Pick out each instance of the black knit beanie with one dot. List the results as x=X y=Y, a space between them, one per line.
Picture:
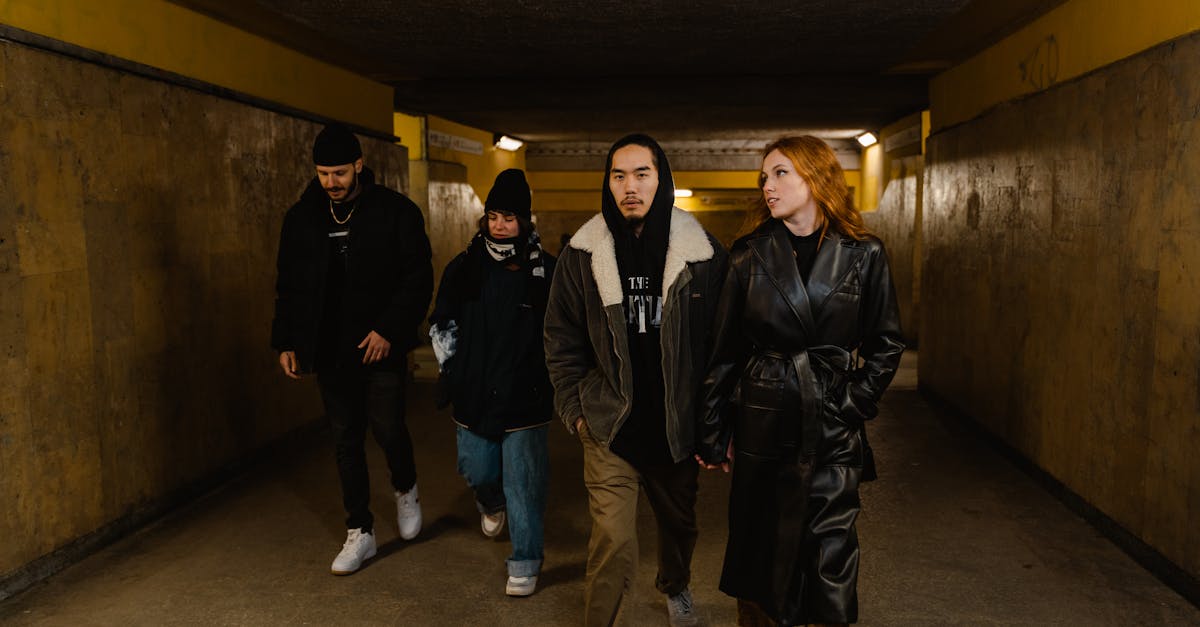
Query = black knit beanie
x=336 y=145
x=510 y=194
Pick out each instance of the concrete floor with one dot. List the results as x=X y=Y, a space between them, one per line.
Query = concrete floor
x=952 y=534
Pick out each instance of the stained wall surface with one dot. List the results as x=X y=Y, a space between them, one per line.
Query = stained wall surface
x=139 y=224
x=897 y=222
x=1060 y=288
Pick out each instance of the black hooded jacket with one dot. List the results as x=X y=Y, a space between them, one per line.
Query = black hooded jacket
x=641 y=259
x=388 y=279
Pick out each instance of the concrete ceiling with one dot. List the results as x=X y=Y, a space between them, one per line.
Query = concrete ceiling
x=584 y=70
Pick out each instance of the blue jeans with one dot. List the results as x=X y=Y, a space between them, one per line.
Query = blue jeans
x=514 y=475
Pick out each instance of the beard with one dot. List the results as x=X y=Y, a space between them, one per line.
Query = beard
x=350 y=191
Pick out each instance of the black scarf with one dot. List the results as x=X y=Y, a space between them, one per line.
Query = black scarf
x=656 y=228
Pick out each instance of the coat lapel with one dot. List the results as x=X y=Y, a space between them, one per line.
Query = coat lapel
x=778 y=262
x=836 y=257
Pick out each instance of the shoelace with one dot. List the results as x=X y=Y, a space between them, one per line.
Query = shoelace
x=683 y=603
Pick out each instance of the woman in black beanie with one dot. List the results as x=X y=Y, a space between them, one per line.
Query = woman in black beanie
x=487 y=334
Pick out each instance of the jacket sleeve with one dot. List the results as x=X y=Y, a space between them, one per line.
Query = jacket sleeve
x=285 y=288
x=730 y=351
x=882 y=340
x=568 y=348
x=445 y=305
x=410 y=302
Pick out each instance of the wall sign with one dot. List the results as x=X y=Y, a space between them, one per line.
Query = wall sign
x=455 y=142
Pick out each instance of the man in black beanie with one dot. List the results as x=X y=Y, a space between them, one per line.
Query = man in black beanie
x=355 y=279
x=627 y=333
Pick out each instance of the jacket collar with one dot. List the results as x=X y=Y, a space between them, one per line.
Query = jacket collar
x=773 y=250
x=687 y=243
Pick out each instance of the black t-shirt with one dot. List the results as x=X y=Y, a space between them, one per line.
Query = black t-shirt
x=642 y=439
x=333 y=337
x=804 y=247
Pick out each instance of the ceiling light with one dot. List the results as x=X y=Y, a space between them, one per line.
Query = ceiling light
x=511 y=144
x=867 y=139
x=683 y=193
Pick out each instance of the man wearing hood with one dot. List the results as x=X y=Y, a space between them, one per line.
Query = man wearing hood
x=627 y=334
x=354 y=282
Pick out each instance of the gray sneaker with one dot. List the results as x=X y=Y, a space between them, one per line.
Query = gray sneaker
x=681 y=610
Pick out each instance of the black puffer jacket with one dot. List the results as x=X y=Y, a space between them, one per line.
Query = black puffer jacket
x=389 y=276
x=496 y=378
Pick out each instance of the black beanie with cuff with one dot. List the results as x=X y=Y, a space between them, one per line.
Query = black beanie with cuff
x=510 y=194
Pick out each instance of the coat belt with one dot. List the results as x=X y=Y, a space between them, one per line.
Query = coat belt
x=818 y=369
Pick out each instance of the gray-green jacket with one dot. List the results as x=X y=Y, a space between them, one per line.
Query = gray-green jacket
x=587 y=352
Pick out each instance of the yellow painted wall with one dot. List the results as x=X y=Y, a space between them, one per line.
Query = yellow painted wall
x=1058 y=285
x=481 y=169
x=411 y=131
x=580 y=190
x=169 y=37
x=1075 y=38
x=870 y=178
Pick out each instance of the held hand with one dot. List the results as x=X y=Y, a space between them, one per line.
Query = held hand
x=377 y=348
x=725 y=465
x=578 y=424
x=287 y=361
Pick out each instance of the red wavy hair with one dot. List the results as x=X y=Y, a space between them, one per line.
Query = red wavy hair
x=818 y=166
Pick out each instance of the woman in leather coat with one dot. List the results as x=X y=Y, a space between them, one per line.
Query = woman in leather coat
x=808 y=337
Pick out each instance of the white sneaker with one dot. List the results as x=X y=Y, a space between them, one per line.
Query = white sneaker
x=681 y=611
x=358 y=548
x=520 y=586
x=492 y=524
x=408 y=513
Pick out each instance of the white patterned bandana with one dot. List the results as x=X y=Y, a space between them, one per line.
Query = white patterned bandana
x=499 y=251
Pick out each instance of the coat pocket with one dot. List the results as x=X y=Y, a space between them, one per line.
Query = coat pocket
x=768 y=424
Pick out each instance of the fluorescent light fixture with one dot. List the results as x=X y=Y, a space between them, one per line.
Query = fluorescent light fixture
x=867 y=139
x=683 y=193
x=511 y=144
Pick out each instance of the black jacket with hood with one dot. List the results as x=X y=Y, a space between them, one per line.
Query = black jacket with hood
x=496 y=376
x=388 y=281
x=586 y=336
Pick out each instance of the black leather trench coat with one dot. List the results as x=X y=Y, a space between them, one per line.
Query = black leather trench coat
x=797 y=370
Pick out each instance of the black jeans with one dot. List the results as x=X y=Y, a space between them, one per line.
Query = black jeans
x=353 y=397
x=671 y=490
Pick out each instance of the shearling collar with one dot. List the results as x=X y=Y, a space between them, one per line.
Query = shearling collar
x=687 y=243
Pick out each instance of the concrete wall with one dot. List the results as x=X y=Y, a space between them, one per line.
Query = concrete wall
x=164 y=35
x=454 y=211
x=139 y=224
x=897 y=223
x=1060 y=292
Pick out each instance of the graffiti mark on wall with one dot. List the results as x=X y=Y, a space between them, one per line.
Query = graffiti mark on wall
x=1039 y=69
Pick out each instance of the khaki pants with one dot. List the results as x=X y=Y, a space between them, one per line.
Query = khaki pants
x=613 y=485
